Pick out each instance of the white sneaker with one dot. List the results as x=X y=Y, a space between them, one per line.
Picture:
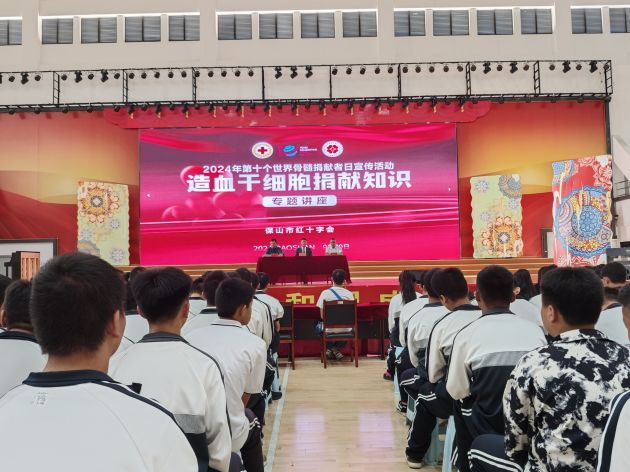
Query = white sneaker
x=413 y=464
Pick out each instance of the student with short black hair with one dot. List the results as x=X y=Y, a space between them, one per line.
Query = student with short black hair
x=336 y=292
x=20 y=353
x=614 y=275
x=614 y=455
x=197 y=302
x=434 y=402
x=242 y=358
x=410 y=365
x=483 y=356
x=74 y=408
x=136 y=326
x=536 y=300
x=208 y=315
x=610 y=320
x=4 y=284
x=557 y=397
x=165 y=367
x=277 y=312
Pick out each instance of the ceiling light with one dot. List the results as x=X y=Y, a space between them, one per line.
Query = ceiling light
x=513 y=67
x=78 y=76
x=566 y=66
x=486 y=67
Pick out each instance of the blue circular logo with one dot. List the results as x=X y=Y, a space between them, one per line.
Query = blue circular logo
x=290 y=150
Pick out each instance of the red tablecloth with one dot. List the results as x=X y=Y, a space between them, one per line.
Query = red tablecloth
x=302 y=269
x=365 y=312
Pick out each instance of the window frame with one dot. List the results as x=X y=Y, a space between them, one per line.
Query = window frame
x=142 y=28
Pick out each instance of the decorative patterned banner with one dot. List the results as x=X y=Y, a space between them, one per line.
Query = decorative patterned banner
x=581 y=210
x=103 y=221
x=497 y=216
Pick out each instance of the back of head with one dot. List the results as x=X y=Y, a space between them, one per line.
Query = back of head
x=263 y=280
x=428 y=283
x=450 y=283
x=197 y=285
x=160 y=293
x=407 y=286
x=210 y=283
x=420 y=276
x=523 y=280
x=615 y=272
x=231 y=295
x=135 y=272
x=339 y=276
x=577 y=293
x=495 y=286
x=4 y=283
x=244 y=274
x=255 y=281
x=74 y=297
x=16 y=305
x=624 y=296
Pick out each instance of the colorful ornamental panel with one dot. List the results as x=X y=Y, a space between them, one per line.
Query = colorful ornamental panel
x=581 y=210
x=497 y=216
x=103 y=221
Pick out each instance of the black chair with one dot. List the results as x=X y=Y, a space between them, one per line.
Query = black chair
x=341 y=315
x=287 y=331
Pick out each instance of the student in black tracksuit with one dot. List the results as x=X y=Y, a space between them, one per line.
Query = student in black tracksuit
x=433 y=401
x=483 y=357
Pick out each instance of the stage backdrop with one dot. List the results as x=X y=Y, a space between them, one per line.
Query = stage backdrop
x=581 y=210
x=497 y=216
x=219 y=195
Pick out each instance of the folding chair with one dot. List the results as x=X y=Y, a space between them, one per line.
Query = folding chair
x=340 y=324
x=287 y=331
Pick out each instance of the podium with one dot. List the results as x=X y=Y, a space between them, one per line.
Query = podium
x=23 y=264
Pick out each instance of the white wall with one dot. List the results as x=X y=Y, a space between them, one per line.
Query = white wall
x=383 y=49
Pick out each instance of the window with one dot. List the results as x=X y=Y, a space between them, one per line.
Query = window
x=494 y=22
x=57 y=30
x=99 y=30
x=586 y=20
x=183 y=28
x=359 y=24
x=276 y=25
x=536 y=21
x=234 y=26
x=619 y=20
x=10 y=32
x=450 y=22
x=409 y=23
x=318 y=25
x=143 y=28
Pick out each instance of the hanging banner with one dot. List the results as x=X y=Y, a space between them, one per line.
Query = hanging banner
x=103 y=221
x=497 y=216
x=581 y=210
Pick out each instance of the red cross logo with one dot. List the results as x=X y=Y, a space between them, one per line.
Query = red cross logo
x=262 y=150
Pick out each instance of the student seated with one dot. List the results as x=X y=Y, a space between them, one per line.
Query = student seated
x=410 y=364
x=241 y=356
x=277 y=312
x=76 y=418
x=536 y=300
x=614 y=455
x=483 y=356
x=336 y=292
x=136 y=326
x=409 y=301
x=557 y=397
x=208 y=315
x=433 y=401
x=19 y=352
x=197 y=302
x=523 y=292
x=166 y=368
